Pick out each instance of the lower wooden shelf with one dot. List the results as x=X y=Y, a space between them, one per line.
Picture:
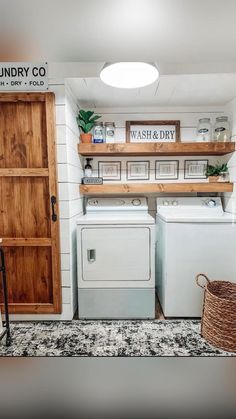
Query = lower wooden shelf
x=154 y=188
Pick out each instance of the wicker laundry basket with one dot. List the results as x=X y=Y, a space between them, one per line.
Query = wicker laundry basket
x=218 y=325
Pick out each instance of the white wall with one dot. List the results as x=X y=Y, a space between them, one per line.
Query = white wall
x=229 y=198
x=188 y=121
x=71 y=203
x=188 y=117
x=69 y=172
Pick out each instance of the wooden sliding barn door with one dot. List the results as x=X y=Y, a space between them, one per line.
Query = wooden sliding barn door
x=29 y=219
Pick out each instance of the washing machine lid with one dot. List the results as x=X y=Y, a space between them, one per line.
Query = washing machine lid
x=185 y=209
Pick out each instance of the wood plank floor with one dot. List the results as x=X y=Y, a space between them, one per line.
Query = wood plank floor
x=158 y=312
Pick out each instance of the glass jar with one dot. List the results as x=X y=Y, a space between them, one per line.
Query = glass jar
x=98 y=136
x=222 y=129
x=110 y=132
x=204 y=130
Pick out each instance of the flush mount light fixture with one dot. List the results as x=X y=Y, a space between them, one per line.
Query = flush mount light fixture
x=129 y=75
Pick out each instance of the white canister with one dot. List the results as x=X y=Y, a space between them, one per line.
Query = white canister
x=204 y=130
x=98 y=136
x=222 y=129
x=110 y=132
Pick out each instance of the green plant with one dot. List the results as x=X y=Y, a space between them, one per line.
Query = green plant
x=86 y=120
x=216 y=170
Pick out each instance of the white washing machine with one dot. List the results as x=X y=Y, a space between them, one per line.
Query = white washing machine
x=193 y=235
x=116 y=259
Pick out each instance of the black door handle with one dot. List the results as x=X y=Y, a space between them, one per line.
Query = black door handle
x=53 y=202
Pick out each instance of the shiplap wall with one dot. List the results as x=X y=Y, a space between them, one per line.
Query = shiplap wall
x=229 y=198
x=188 y=117
x=71 y=203
x=69 y=173
x=188 y=121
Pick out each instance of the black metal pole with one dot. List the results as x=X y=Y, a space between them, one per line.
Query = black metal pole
x=4 y=283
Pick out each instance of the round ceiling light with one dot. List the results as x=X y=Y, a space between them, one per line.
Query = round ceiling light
x=129 y=75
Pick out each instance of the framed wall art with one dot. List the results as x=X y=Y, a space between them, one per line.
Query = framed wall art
x=109 y=170
x=152 y=131
x=195 y=169
x=138 y=170
x=167 y=169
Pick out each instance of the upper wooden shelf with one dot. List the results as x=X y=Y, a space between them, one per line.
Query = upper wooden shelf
x=156 y=149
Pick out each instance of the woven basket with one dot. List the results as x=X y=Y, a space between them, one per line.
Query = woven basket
x=218 y=325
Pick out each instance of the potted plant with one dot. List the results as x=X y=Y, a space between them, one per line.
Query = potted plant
x=86 y=121
x=217 y=173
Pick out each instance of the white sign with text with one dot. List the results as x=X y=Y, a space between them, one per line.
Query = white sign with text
x=23 y=76
x=154 y=133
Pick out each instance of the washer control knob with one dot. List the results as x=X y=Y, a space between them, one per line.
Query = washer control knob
x=211 y=203
x=136 y=202
x=93 y=202
x=165 y=202
x=175 y=203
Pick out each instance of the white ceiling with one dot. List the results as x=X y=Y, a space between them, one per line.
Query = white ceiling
x=175 y=90
x=181 y=36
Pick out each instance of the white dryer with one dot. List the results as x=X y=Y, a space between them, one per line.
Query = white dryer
x=116 y=253
x=193 y=235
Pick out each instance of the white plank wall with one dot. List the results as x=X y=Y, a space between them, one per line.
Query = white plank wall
x=152 y=160
x=229 y=199
x=71 y=204
x=69 y=170
x=188 y=117
x=188 y=121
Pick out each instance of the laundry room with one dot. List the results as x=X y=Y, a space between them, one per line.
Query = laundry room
x=118 y=206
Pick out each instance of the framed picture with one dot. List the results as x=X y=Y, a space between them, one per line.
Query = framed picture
x=195 y=169
x=152 y=131
x=167 y=169
x=138 y=170
x=109 y=170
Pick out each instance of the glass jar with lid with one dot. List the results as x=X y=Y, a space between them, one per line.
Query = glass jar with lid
x=222 y=129
x=204 y=130
x=98 y=133
x=110 y=132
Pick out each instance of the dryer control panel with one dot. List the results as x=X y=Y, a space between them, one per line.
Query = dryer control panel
x=118 y=205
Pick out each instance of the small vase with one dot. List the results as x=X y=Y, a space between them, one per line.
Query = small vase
x=86 y=138
x=213 y=178
x=224 y=177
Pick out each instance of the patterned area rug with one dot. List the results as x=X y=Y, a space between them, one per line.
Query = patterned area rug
x=109 y=338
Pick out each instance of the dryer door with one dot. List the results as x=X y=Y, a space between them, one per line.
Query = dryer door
x=116 y=254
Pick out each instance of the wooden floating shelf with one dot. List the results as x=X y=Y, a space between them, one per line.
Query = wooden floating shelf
x=154 y=188
x=156 y=149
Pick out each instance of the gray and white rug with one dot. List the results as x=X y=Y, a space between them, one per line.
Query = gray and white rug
x=109 y=338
